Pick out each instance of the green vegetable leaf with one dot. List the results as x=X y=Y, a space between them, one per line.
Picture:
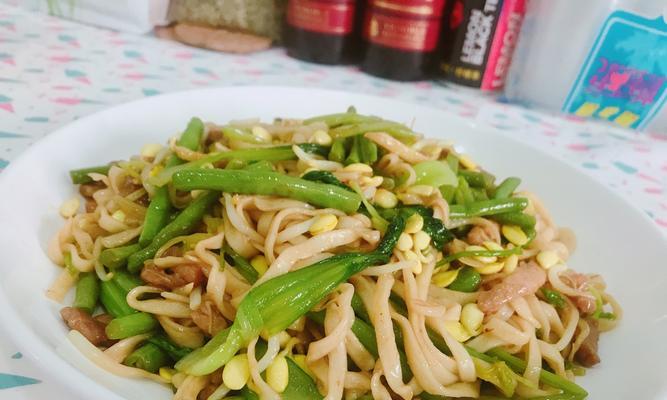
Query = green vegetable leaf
x=599 y=312
x=606 y=315
x=242 y=265
x=435 y=173
x=174 y=351
x=324 y=177
x=433 y=227
x=498 y=374
x=479 y=253
x=241 y=134
x=337 y=152
x=377 y=220
x=300 y=385
x=436 y=229
x=247 y=394
x=554 y=298
x=576 y=369
x=468 y=280
x=69 y=267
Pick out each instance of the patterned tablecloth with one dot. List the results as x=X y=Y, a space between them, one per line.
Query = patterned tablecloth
x=54 y=71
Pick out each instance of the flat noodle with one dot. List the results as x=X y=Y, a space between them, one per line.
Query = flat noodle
x=312 y=162
x=418 y=362
x=121 y=238
x=123 y=348
x=320 y=243
x=287 y=214
x=272 y=349
x=464 y=363
x=78 y=262
x=195 y=298
x=607 y=324
x=105 y=362
x=523 y=310
x=186 y=336
x=386 y=340
x=169 y=308
x=190 y=388
x=392 y=165
x=389 y=268
x=59 y=288
x=534 y=361
x=572 y=320
x=219 y=393
x=397 y=147
x=54 y=250
x=358 y=353
x=554 y=321
x=507 y=332
x=266 y=392
x=176 y=297
x=109 y=223
x=442 y=365
x=234 y=211
x=357 y=381
x=583 y=331
x=537 y=312
x=553 y=357
x=339 y=325
x=377 y=388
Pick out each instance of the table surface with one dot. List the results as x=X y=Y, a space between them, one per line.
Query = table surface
x=54 y=71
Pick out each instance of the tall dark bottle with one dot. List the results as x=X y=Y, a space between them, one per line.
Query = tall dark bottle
x=322 y=31
x=402 y=38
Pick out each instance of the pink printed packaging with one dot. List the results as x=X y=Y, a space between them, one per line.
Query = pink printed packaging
x=479 y=37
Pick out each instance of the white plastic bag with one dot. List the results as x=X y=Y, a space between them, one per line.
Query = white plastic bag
x=136 y=16
x=600 y=59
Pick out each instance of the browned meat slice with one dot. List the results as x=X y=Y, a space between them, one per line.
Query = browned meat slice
x=144 y=201
x=173 y=251
x=104 y=319
x=128 y=185
x=587 y=355
x=527 y=278
x=586 y=305
x=207 y=391
x=173 y=277
x=87 y=189
x=208 y=318
x=480 y=234
x=580 y=282
x=82 y=322
x=214 y=135
x=91 y=205
x=214 y=380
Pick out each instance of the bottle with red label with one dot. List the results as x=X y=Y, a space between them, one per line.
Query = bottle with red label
x=402 y=38
x=323 y=31
x=481 y=38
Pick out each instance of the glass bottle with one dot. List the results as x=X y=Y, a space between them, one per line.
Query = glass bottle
x=322 y=31
x=402 y=38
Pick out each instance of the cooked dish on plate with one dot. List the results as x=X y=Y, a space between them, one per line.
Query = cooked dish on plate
x=338 y=256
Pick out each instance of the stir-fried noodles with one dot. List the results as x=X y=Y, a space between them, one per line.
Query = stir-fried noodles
x=341 y=256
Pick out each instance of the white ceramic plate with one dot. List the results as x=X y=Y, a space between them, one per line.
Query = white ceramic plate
x=615 y=239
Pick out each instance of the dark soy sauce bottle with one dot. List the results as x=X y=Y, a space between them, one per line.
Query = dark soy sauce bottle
x=402 y=38
x=323 y=31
